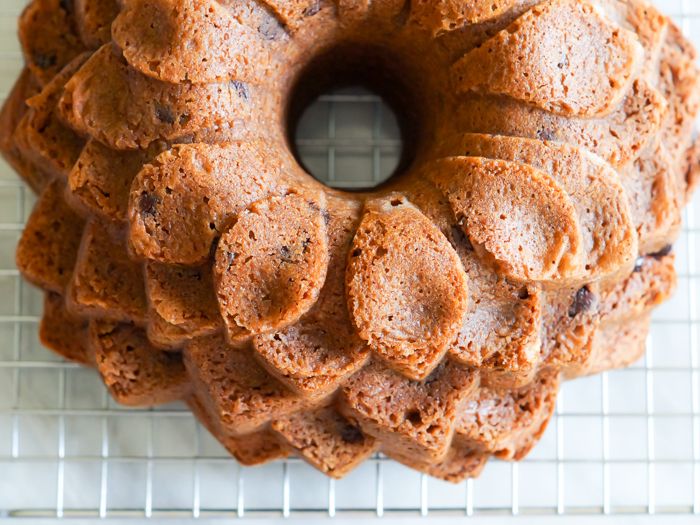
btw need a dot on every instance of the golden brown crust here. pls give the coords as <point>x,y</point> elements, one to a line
<point>508,423</point>
<point>271,264</point>
<point>106,284</point>
<point>136,373</point>
<point>515,216</point>
<point>93,20</point>
<point>243,396</point>
<point>326,440</point>
<point>184,200</point>
<point>100,180</point>
<point>126,110</point>
<point>195,40</point>
<point>64,333</point>
<point>584,67</point>
<point>410,418</point>
<point>13,110</point>
<point>48,38</point>
<point>48,248</point>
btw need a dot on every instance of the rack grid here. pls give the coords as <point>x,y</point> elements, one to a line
<point>624,442</point>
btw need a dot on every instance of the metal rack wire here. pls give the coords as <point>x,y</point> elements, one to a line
<point>623,442</point>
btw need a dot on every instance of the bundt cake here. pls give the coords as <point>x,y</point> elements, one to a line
<point>187,255</point>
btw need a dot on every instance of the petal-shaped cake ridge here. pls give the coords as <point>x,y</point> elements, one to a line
<point>63,332</point>
<point>239,392</point>
<point>319,352</point>
<point>617,345</point>
<point>271,264</point>
<point>570,319</point>
<point>165,336</point>
<point>412,419</point>
<point>501,331</point>
<point>650,26</point>
<point>439,16</point>
<point>183,201</point>
<point>562,56</point>
<point>184,297</point>
<point>106,283</point>
<point>651,283</point>
<point>617,138</point>
<point>515,215</point>
<point>136,373</point>
<point>654,196</point>
<point>609,237</point>
<point>251,449</point>
<point>692,175</point>
<point>124,109</point>
<point>47,38</point>
<point>100,181</point>
<point>406,287</point>
<point>574,319</point>
<point>185,254</point>
<point>41,136</point>
<point>48,248</point>
<point>508,423</point>
<point>315,355</point>
<point>460,463</point>
<point>680,84</point>
<point>13,110</point>
<point>194,41</point>
<point>93,20</point>
<point>326,440</point>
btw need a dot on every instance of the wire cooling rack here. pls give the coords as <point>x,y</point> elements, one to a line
<point>624,442</point>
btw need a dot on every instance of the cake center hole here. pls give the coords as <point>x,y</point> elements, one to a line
<point>349,139</point>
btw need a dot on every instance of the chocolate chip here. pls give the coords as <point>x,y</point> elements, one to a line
<point>545,134</point>
<point>164,114</point>
<point>638,264</point>
<point>286,254</point>
<point>403,15</point>
<point>230,257</point>
<point>583,302</point>
<point>433,377</point>
<point>66,5</point>
<point>43,60</point>
<point>523,294</point>
<point>170,357</point>
<point>663,252</point>
<point>241,89</point>
<point>271,29</point>
<point>351,434</point>
<point>459,238</point>
<point>148,203</point>
<point>312,9</point>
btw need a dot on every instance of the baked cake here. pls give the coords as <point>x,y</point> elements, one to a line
<point>186,254</point>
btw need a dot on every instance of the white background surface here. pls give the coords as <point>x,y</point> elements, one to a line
<point>624,442</point>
